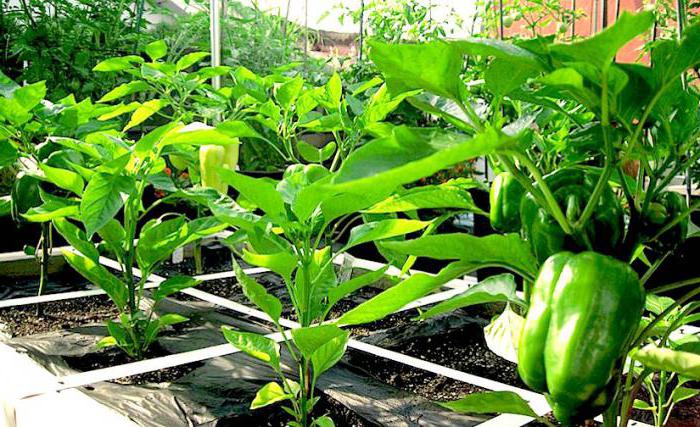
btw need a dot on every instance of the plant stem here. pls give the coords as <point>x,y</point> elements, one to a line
<point>44,261</point>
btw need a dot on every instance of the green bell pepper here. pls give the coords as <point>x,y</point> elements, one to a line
<point>505,197</point>
<point>212,157</point>
<point>572,189</point>
<point>666,206</point>
<point>584,311</point>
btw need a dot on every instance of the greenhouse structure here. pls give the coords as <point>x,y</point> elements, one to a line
<point>350,213</point>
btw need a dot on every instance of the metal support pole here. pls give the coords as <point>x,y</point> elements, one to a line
<point>362,30</point>
<point>215,36</point>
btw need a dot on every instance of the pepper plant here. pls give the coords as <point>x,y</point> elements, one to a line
<point>296,236</point>
<point>594,229</point>
<point>110,176</point>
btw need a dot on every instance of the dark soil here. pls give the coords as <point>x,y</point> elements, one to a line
<point>426,384</point>
<point>57,315</point>
<point>114,357</point>
<point>463,349</point>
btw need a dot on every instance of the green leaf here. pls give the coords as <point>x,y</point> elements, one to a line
<point>103,198</point>
<point>118,64</point>
<point>600,50</point>
<point>238,129</point>
<point>347,288</point>
<point>257,294</point>
<point>189,60</point>
<point>76,238</point>
<point>328,354</point>
<point>62,178</point>
<point>671,58</point>
<point>100,276</point>
<point>270,393</point>
<point>664,359</point>
<point>644,406</point>
<point>435,67</point>
<point>118,110</point>
<point>158,239</point>
<point>508,251</point>
<point>310,339</point>
<point>427,197</point>
<point>197,134</point>
<point>124,90</point>
<point>257,190</point>
<point>255,345</point>
<point>29,96</point>
<point>491,402</point>
<point>683,393</point>
<point>288,92</point>
<point>53,209</point>
<point>500,288</point>
<point>334,90</point>
<point>317,155</point>
<point>408,155</point>
<point>380,230</point>
<point>146,110</point>
<point>396,297</point>
<point>5,205</point>
<point>324,421</point>
<point>8,153</point>
<point>156,50</point>
<point>282,263</point>
<point>174,285</point>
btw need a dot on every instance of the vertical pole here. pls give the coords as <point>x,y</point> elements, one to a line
<point>306,34</point>
<point>500,20</point>
<point>594,18</point>
<point>362,30</point>
<point>604,12</point>
<point>617,9</point>
<point>573,19</point>
<point>215,37</point>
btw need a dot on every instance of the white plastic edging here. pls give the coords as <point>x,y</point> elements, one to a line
<point>71,407</point>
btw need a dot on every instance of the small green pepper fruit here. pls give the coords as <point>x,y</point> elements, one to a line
<point>211,157</point>
<point>505,197</point>
<point>584,310</point>
<point>572,189</point>
<point>666,206</point>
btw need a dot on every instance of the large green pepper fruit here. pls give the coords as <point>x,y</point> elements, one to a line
<point>212,157</point>
<point>572,189</point>
<point>666,206</point>
<point>584,310</point>
<point>505,197</point>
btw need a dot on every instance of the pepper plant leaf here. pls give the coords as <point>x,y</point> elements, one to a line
<point>684,363</point>
<point>257,294</point>
<point>270,393</point>
<point>491,402</point>
<point>496,250</point>
<point>100,276</point>
<point>601,49</point>
<point>384,229</point>
<point>434,67</point>
<point>257,346</point>
<point>103,198</point>
<point>499,288</point>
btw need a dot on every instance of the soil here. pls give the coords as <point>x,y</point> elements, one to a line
<point>114,357</point>
<point>56,315</point>
<point>426,384</point>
